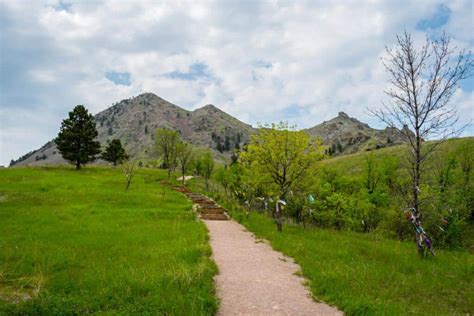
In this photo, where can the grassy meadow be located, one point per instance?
(74, 242)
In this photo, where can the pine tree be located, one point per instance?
(114, 152)
(76, 139)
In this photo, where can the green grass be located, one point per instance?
(365, 274)
(354, 164)
(77, 243)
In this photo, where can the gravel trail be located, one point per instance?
(254, 279)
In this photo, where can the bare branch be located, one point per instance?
(422, 83)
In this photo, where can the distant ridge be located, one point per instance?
(347, 135)
(135, 120)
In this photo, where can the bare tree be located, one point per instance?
(422, 83)
(128, 169)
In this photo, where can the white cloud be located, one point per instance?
(267, 60)
(42, 75)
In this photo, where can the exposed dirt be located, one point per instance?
(254, 279)
(186, 178)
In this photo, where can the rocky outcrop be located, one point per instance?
(345, 135)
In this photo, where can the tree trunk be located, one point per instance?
(416, 174)
(419, 245)
(278, 212)
(78, 165)
(278, 222)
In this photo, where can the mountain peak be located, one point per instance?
(344, 134)
(342, 115)
(147, 94)
(210, 107)
(134, 121)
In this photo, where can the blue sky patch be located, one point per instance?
(63, 6)
(292, 110)
(467, 84)
(263, 64)
(438, 19)
(196, 71)
(119, 78)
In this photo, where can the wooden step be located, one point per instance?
(214, 217)
(208, 209)
(212, 211)
(182, 190)
(194, 195)
(210, 206)
(204, 202)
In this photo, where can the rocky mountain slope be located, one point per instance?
(135, 120)
(347, 135)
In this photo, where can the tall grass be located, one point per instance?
(77, 243)
(365, 274)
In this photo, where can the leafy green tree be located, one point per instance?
(184, 156)
(372, 176)
(166, 146)
(206, 167)
(466, 159)
(230, 178)
(114, 152)
(76, 139)
(280, 157)
(224, 177)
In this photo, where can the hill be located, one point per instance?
(347, 135)
(135, 120)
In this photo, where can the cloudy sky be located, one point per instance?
(260, 61)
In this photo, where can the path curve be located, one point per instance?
(254, 279)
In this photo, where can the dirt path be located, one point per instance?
(254, 279)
